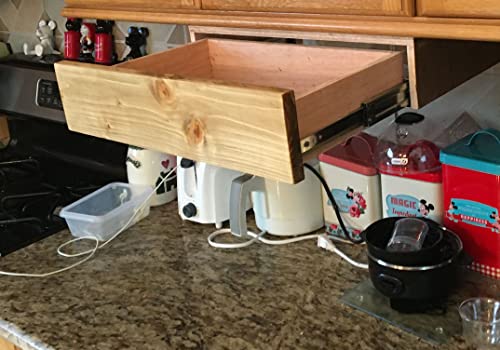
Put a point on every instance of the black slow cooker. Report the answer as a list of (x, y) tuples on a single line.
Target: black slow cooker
[(414, 281)]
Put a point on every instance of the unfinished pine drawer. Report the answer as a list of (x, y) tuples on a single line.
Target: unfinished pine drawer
[(237, 104)]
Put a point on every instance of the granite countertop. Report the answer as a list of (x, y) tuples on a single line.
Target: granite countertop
[(160, 286)]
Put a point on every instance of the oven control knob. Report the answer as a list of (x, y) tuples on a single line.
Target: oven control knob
[(186, 163), (189, 210)]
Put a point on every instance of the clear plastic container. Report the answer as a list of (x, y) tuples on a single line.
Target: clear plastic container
[(102, 213), (408, 235)]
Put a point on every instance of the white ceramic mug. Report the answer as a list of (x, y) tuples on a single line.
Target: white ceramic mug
[(280, 209), (146, 167)]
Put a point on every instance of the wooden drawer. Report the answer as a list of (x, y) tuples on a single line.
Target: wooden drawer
[(143, 5), (355, 7), (459, 8), (237, 104)]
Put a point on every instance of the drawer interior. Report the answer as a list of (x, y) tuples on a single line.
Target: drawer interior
[(238, 104), (310, 72)]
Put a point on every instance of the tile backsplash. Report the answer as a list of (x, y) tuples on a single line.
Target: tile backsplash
[(19, 20)]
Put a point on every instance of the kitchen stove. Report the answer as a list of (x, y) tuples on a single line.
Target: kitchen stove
[(45, 166)]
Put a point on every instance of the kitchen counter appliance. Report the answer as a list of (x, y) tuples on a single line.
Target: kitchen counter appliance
[(204, 192), (45, 166), (419, 280), (410, 171)]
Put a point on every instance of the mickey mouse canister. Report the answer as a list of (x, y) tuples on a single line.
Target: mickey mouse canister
[(471, 175), (355, 184), (410, 170), (147, 167)]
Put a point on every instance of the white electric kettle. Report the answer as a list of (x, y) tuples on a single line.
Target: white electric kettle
[(280, 209)]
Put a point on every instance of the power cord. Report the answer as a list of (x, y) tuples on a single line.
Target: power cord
[(90, 252), (334, 203), (256, 237), (324, 241)]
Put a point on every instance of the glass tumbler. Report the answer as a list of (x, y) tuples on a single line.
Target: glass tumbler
[(408, 235), (481, 322)]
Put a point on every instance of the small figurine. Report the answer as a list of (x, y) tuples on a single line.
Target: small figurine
[(45, 34), (87, 42), (104, 47), (136, 40), (72, 39)]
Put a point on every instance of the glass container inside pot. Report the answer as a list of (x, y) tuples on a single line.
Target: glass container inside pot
[(403, 148), (408, 235)]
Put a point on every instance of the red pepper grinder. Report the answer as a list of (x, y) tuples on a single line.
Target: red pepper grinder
[(72, 39), (103, 52)]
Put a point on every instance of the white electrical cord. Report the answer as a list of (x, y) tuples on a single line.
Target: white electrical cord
[(256, 237), (325, 242), (91, 252)]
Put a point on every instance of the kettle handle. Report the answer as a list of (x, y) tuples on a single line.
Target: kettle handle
[(482, 132), (241, 187)]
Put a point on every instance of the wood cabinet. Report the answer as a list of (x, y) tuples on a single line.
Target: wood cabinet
[(237, 104), (129, 5), (373, 17), (459, 8), (357, 7)]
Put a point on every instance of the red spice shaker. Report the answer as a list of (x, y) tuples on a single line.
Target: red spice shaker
[(103, 53), (72, 39)]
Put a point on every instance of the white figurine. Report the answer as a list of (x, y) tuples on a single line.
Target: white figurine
[(45, 34)]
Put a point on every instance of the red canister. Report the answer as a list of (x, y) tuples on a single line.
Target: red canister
[(104, 42), (72, 39), (471, 174)]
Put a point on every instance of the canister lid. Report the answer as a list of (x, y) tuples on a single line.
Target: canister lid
[(356, 155), (479, 151)]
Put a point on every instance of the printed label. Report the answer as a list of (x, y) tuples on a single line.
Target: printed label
[(408, 206), (349, 201), (474, 213), (399, 161), (342, 199), (336, 230)]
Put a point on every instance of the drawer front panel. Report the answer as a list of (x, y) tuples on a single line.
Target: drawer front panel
[(135, 4), (459, 8), (253, 130), (355, 7)]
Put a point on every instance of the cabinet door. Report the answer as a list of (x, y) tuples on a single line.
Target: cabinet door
[(355, 7), (134, 4), (459, 8)]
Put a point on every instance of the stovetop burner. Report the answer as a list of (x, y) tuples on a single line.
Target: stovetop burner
[(29, 203), (44, 168), (31, 60)]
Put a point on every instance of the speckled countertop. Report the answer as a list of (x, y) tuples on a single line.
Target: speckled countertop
[(160, 286)]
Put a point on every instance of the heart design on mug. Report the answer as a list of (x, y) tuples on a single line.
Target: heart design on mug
[(165, 163)]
